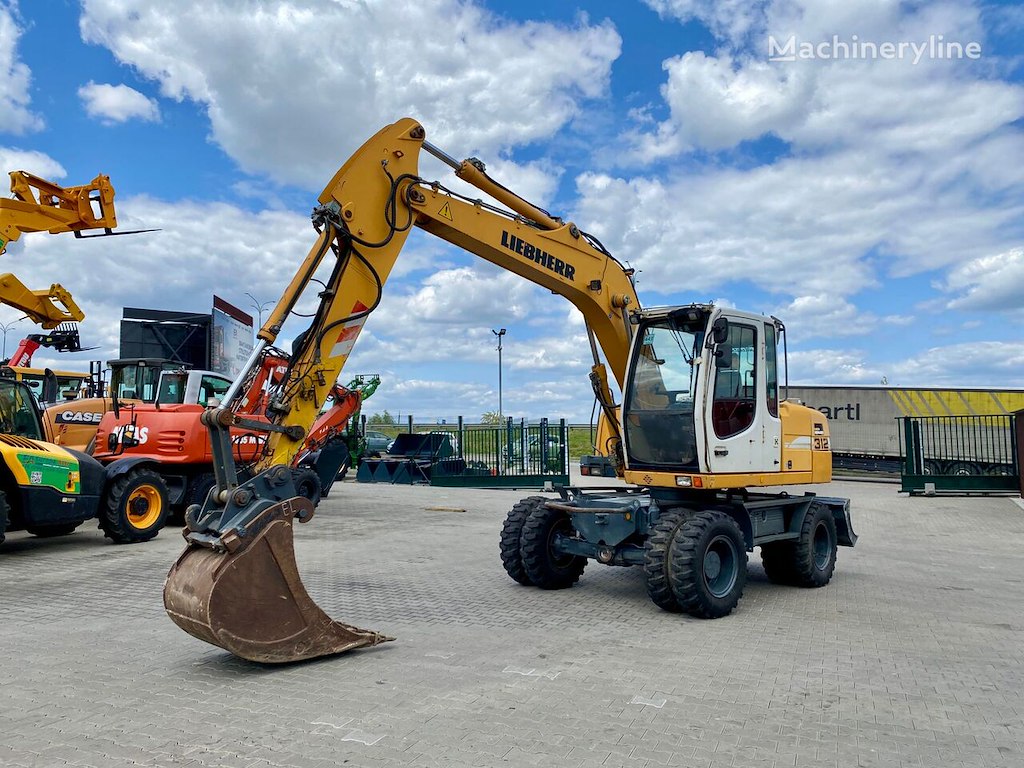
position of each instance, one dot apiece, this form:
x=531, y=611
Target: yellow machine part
x=47, y=308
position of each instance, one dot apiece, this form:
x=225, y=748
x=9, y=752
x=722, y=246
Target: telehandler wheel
x=196, y=491
x=708, y=564
x=49, y=531
x=307, y=484
x=135, y=507
x=199, y=488
x=815, y=551
x=656, y=558
x=547, y=568
x=511, y=535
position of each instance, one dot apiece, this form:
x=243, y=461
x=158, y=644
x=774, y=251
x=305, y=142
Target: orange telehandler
x=701, y=430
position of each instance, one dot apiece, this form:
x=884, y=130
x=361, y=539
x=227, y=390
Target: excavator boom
x=235, y=585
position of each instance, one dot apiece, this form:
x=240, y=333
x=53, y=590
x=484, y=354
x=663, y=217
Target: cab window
x=172, y=388
x=17, y=412
x=212, y=387
x=771, y=370
x=735, y=400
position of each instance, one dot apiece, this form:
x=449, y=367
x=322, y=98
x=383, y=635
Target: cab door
x=742, y=430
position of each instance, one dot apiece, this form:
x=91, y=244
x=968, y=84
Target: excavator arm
x=236, y=584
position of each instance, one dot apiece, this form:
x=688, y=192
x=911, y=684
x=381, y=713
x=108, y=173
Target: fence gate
x=959, y=453
x=516, y=455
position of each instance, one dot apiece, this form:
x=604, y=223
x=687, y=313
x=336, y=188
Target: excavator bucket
x=250, y=599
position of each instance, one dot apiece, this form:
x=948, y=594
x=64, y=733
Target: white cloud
x=716, y=104
x=885, y=169
x=832, y=366
x=973, y=364
x=729, y=19
x=319, y=79
x=989, y=283
x=977, y=364
x=15, y=78
x=36, y=163
x=117, y=103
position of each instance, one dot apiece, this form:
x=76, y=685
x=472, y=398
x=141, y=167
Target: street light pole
x=5, y=327
x=259, y=306
x=499, y=334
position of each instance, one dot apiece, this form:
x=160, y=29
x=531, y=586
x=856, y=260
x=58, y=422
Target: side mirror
x=720, y=330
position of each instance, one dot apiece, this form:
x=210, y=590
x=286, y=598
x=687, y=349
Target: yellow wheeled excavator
x=701, y=428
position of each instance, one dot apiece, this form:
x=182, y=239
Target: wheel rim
x=559, y=559
x=822, y=547
x=144, y=506
x=720, y=566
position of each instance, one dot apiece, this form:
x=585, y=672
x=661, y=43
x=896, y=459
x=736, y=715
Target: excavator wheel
x=814, y=553
x=657, y=555
x=512, y=533
x=250, y=599
x=708, y=565
x=546, y=567
x=135, y=507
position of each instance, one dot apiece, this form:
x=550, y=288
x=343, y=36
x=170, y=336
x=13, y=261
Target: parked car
x=377, y=442
x=533, y=452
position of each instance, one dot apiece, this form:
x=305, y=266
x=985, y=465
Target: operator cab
x=138, y=378
x=702, y=393
x=19, y=413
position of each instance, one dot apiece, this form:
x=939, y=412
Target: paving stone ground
x=912, y=656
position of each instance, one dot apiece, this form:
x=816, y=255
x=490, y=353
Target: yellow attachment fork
x=46, y=308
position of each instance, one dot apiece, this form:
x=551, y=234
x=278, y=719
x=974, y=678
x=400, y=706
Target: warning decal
x=349, y=332
x=446, y=212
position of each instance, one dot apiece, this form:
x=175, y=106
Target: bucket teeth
x=252, y=602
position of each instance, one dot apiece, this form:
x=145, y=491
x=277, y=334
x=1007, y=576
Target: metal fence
x=959, y=453
x=516, y=454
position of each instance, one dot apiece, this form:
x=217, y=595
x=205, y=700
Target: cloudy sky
x=869, y=190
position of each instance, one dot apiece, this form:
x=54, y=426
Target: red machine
x=169, y=438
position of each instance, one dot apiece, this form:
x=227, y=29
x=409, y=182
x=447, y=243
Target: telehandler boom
x=701, y=423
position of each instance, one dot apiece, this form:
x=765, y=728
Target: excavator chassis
x=241, y=590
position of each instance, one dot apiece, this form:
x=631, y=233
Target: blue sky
x=874, y=204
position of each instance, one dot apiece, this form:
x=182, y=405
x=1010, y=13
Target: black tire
x=511, y=534
x=49, y=531
x=5, y=516
x=815, y=551
x=198, y=489
x=135, y=507
x=708, y=564
x=546, y=568
x=778, y=559
x=307, y=484
x=656, y=558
